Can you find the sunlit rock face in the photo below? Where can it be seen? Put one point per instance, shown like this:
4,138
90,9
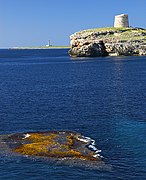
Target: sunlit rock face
109,41
56,144
88,49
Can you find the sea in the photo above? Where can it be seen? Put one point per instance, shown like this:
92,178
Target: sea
103,98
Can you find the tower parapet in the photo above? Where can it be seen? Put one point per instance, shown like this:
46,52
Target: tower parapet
121,20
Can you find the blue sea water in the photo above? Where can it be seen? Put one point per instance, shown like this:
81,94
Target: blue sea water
103,98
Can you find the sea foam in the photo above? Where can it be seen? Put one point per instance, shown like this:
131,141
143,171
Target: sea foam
26,136
91,145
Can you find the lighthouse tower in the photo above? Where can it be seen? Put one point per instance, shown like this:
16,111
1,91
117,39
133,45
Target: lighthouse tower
121,20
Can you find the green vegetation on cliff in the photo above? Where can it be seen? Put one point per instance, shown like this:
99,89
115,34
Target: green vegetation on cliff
124,34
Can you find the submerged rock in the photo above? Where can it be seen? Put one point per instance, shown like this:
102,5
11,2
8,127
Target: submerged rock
56,144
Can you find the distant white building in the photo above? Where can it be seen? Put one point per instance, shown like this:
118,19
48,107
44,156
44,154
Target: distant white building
49,44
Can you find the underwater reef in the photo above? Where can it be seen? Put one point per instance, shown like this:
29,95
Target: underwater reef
54,144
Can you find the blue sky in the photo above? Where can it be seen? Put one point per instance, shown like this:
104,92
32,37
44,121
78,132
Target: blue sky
34,22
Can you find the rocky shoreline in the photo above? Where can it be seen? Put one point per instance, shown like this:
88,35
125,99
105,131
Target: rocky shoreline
108,42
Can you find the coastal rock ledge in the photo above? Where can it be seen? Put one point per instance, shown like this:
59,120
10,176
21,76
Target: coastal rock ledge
108,41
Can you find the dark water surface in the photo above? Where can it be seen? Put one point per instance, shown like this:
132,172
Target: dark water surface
103,98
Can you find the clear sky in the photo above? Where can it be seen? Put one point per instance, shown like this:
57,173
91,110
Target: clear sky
34,22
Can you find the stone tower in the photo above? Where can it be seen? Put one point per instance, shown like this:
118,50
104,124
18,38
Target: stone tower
121,20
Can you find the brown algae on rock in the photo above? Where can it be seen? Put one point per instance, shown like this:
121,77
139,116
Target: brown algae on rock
54,144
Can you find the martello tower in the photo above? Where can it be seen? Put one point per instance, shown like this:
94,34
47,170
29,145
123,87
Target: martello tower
121,20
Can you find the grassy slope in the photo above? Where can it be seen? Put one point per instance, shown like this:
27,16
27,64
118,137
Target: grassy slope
120,33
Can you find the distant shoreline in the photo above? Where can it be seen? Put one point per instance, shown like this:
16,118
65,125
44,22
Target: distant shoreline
41,47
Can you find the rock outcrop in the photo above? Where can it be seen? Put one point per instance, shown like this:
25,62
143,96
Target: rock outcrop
88,49
54,144
108,41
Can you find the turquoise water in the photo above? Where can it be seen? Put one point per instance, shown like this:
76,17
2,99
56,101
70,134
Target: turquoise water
102,98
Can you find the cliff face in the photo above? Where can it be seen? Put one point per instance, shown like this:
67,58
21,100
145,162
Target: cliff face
108,41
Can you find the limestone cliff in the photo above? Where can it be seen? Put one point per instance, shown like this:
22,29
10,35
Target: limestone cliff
108,41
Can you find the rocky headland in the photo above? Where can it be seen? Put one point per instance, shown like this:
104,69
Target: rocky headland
108,42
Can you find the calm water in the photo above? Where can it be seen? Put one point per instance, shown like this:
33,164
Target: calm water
103,98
